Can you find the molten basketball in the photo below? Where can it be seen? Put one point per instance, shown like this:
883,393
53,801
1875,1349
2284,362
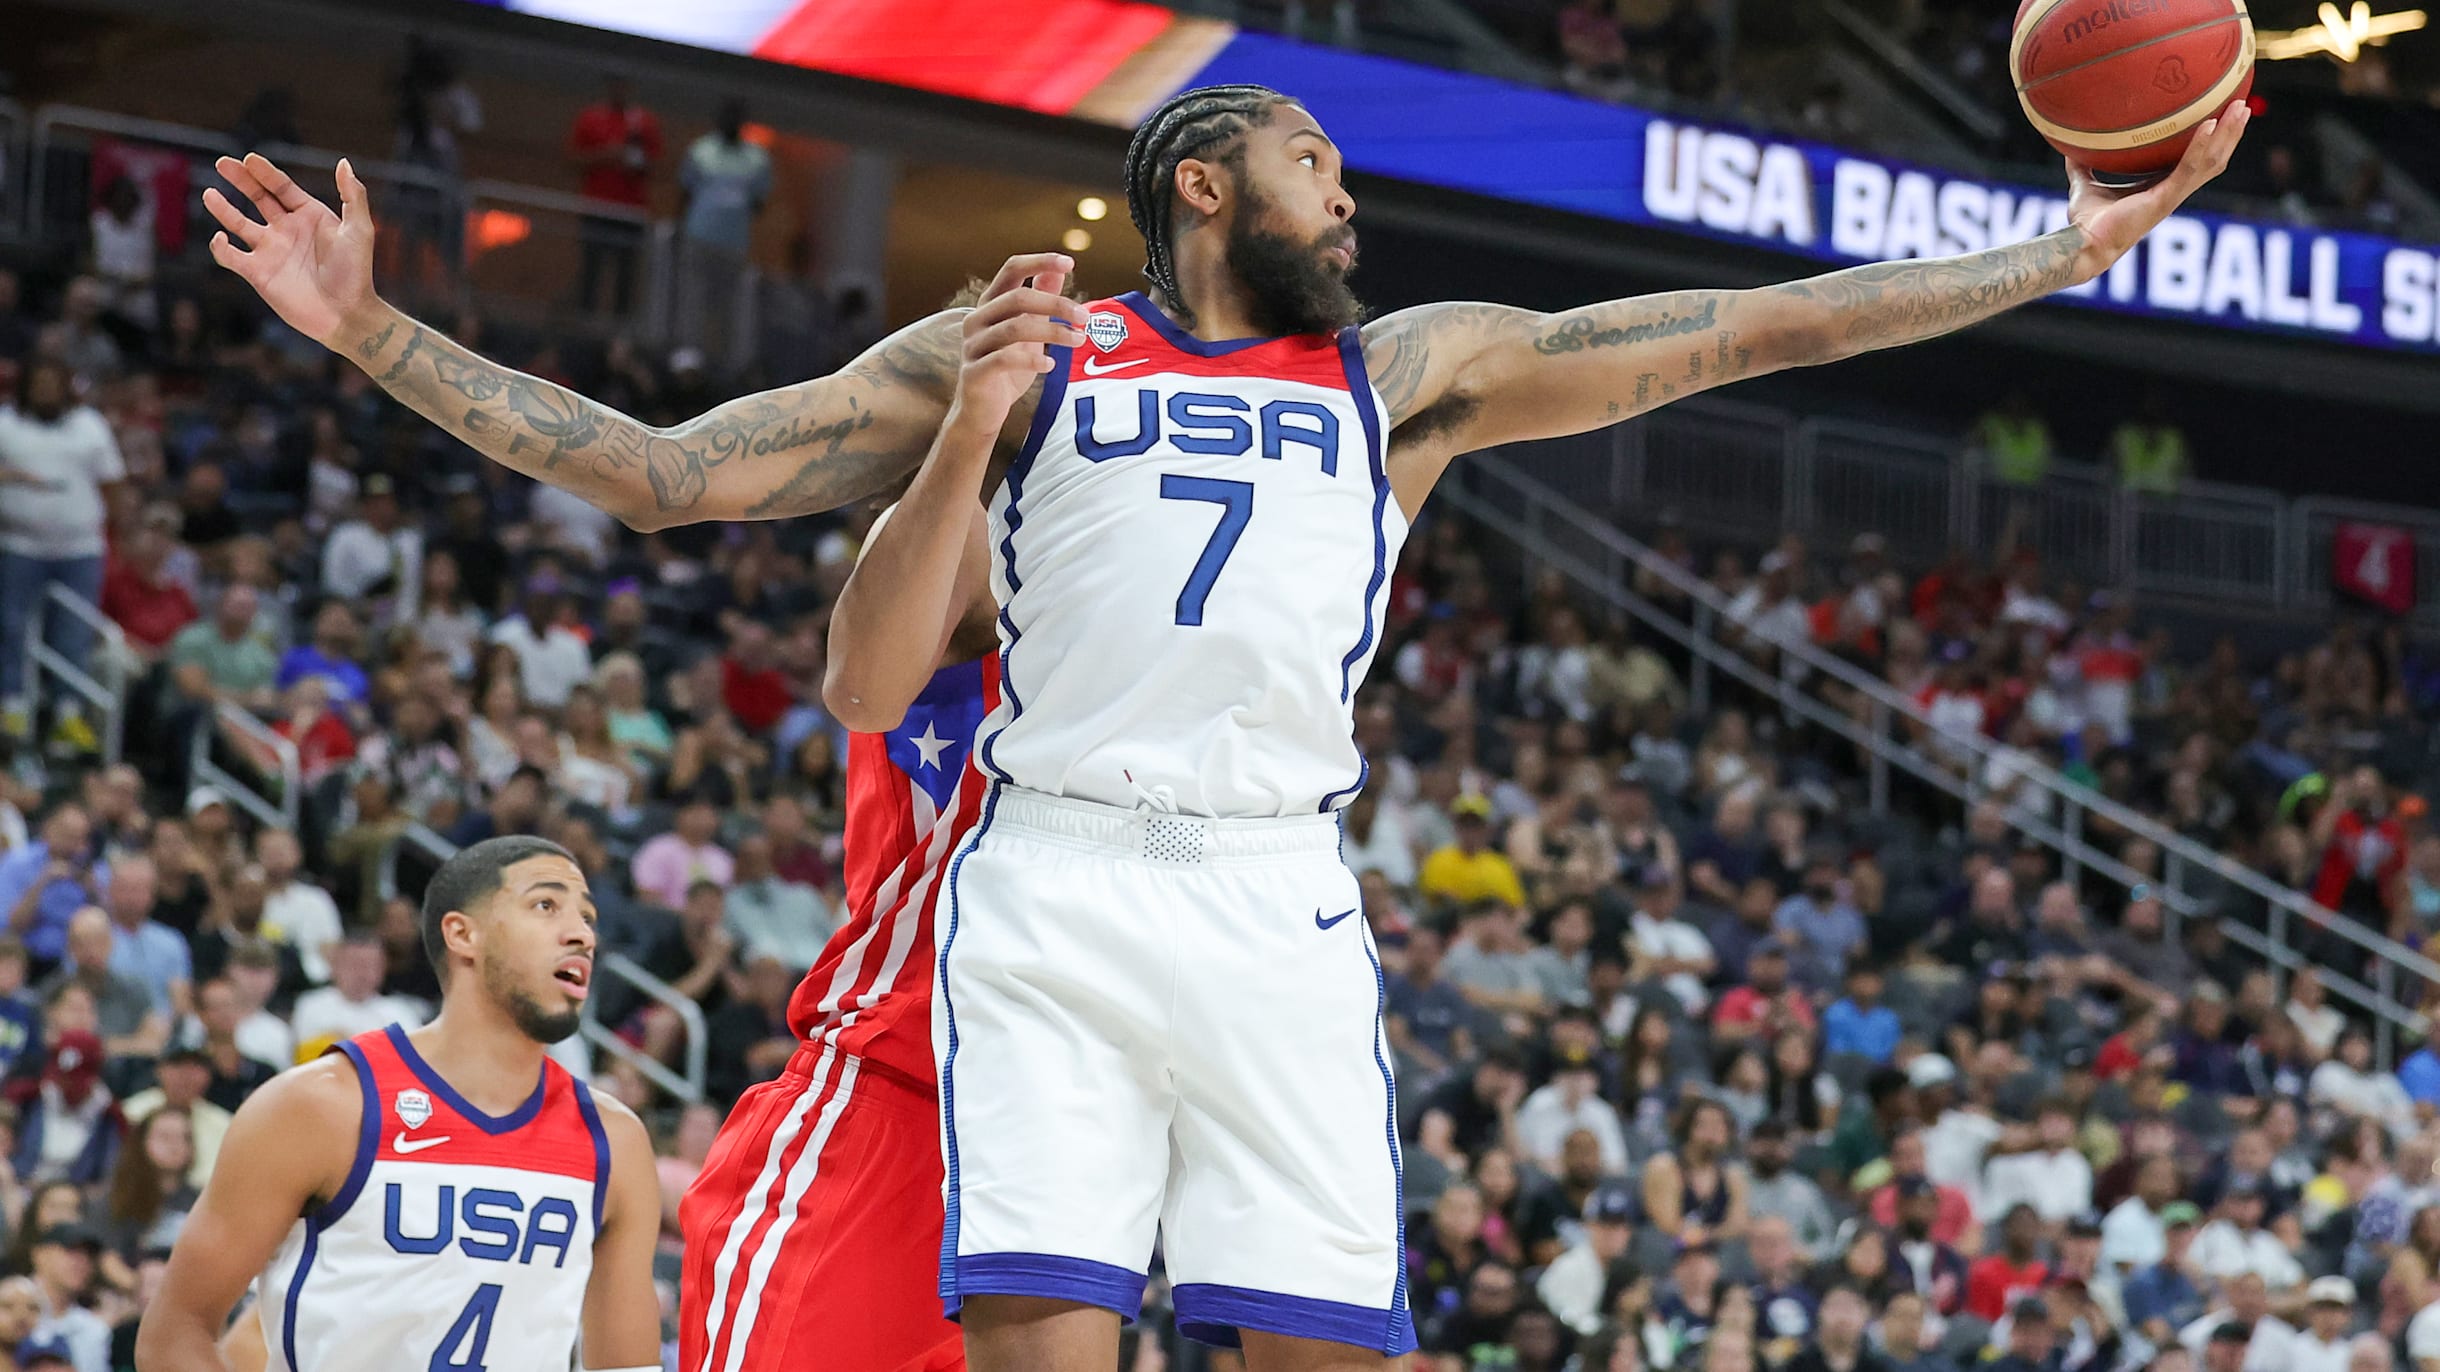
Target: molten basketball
2119,85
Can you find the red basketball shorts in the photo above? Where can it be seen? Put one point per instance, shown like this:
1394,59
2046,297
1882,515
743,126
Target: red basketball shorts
813,1231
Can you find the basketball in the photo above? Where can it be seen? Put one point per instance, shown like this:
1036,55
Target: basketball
2121,85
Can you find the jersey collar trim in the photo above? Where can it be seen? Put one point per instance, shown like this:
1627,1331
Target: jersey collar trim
516,1119
1178,338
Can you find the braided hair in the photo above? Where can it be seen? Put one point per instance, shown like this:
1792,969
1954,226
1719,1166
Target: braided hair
1186,125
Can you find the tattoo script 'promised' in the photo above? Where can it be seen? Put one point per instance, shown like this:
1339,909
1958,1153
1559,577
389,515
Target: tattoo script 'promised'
1581,333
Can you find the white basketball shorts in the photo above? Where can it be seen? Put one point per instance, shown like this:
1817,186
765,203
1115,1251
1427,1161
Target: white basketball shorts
1148,1020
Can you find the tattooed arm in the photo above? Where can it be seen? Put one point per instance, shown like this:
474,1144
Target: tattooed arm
812,446
795,450
1458,377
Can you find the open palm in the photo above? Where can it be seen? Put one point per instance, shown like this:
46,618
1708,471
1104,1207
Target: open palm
310,265
2115,220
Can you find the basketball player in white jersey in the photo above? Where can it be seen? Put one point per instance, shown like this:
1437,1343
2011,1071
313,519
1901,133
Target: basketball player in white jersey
447,1199
1154,1009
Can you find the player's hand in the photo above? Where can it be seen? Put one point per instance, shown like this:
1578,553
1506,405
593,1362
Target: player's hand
2114,221
308,264
1008,336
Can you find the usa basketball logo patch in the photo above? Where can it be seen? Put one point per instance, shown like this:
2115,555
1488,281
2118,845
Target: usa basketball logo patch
414,1107
1106,330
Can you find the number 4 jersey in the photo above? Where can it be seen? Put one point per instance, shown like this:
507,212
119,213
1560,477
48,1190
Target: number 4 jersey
1192,554
460,1241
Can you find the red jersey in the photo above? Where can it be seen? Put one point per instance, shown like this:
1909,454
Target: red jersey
912,794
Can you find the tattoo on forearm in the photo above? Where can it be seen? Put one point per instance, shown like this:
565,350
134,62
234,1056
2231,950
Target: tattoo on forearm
1893,303
1583,330
554,435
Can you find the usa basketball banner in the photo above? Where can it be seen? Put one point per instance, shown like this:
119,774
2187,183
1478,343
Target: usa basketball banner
1112,60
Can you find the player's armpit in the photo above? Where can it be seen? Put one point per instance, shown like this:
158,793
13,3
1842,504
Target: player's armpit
794,450
622,1319
290,1147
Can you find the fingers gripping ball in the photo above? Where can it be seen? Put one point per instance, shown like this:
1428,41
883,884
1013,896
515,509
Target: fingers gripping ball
2121,85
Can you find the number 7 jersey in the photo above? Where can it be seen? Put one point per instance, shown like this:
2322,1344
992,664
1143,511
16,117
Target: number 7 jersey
1192,556
460,1242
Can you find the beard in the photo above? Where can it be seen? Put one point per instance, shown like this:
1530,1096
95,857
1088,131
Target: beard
533,1019
1292,288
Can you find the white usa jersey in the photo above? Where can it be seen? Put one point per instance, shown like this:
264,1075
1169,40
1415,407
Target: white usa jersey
1192,556
461,1241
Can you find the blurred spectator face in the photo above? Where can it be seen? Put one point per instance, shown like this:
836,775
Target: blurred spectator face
1906,1156
1708,1130
1770,1153
131,891
1535,1337
2355,1049
356,968
768,983
1729,1350
1492,1291
2208,1015
2143,918
89,938
753,858
67,834
2057,1129
12,970
1784,827
63,1267
2224,1355
182,1082
697,823
1792,1054
1756,903
2029,1337
2368,1353
2057,909
2022,1230
519,803
20,1309
47,390
1630,805
1902,1324
280,856
1994,898
84,301
234,617
1571,930
334,630
1917,1213
2242,1207
2156,1181
1773,1246
1734,818
222,1006
169,1142
2248,1298
1457,1217
1842,1319
783,820
248,889
1580,1158
1864,986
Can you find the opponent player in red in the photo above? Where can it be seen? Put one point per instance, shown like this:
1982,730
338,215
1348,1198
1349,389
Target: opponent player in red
813,1231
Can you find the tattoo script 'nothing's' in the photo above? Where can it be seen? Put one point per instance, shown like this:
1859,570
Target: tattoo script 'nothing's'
1580,333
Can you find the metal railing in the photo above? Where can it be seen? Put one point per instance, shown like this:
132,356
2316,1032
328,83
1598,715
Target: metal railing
1557,531
108,654
411,837
1750,472
689,1087
256,738
1970,113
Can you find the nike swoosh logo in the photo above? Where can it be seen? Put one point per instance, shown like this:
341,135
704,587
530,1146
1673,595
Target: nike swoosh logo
1332,922
1094,366
403,1144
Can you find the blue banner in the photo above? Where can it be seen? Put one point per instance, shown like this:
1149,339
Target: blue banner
1476,134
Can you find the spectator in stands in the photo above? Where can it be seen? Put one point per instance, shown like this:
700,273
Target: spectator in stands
2149,452
125,1013
180,1077
1594,52
1860,1025
514,809
295,910
693,954
748,1036
668,866
44,883
65,1257
2051,1175
331,656
1574,1284
20,1021
615,144
223,659
148,1193
2235,1242
2242,1318
724,180
1776,1190
142,949
56,458
69,1128
138,594
771,917
552,658
1697,1193
1822,923
375,560
353,1003
2164,1297
244,1041
2013,441
1469,870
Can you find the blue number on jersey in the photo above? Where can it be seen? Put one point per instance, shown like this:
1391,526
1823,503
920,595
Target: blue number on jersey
473,1328
1236,499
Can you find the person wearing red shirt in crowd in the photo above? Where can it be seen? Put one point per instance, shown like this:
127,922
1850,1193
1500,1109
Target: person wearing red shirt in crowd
2363,848
2016,1270
2112,661
614,144
1952,1216
2127,1050
322,738
751,683
795,855
148,606
1763,1004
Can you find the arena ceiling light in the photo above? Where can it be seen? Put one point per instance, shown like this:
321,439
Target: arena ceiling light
2343,36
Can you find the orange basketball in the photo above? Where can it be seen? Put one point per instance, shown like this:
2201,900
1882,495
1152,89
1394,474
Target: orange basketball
2119,85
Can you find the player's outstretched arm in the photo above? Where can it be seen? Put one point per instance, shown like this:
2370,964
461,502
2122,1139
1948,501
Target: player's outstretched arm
794,450
289,1148
927,564
622,1319
1457,377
